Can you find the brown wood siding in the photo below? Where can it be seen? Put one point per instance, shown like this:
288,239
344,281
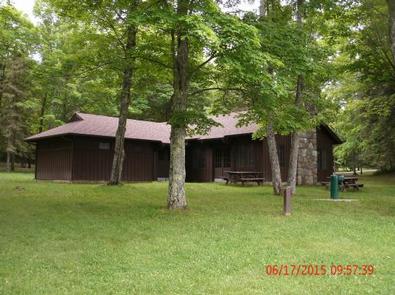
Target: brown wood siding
54,159
90,163
163,153
138,164
93,162
325,154
83,158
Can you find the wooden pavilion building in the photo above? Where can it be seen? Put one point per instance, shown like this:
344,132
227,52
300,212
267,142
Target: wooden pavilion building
82,150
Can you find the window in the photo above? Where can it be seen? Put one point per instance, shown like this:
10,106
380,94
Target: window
226,158
245,156
221,158
104,146
218,159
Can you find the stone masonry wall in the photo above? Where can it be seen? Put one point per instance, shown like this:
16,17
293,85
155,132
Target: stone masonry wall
307,158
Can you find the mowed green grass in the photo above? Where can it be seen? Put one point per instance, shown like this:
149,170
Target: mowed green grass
59,238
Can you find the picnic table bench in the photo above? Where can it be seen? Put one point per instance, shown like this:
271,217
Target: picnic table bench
347,182
244,176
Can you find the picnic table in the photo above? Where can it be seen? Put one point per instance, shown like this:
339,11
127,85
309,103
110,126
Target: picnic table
244,176
351,182
347,182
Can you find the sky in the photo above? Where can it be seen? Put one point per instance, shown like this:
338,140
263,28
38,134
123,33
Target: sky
26,6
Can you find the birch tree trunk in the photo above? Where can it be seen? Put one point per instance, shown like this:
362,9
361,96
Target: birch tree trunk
117,164
294,152
176,194
270,136
391,10
274,162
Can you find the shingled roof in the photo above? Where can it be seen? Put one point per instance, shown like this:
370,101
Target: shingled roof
96,125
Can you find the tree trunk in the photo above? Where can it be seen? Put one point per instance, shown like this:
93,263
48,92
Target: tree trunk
263,9
274,162
177,197
391,10
270,137
10,150
2,78
294,152
42,113
117,164
8,162
180,51
12,162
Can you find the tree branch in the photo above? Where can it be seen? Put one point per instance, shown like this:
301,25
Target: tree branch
212,56
152,60
225,89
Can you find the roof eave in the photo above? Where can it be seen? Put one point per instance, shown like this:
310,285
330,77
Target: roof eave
332,133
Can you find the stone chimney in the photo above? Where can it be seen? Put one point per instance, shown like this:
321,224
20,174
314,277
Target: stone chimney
307,158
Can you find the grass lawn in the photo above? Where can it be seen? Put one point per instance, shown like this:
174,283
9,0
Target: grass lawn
58,238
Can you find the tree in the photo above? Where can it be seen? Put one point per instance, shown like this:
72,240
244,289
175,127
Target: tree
13,112
270,132
391,10
16,43
364,85
210,51
116,172
180,46
117,25
294,152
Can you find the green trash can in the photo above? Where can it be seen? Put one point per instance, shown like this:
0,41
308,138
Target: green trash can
334,186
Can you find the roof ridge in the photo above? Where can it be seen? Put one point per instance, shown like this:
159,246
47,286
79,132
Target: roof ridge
114,117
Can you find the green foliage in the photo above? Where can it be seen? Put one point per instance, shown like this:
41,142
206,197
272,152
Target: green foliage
17,42
365,87
293,50
75,58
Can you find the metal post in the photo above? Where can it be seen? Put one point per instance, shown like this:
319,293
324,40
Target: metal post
287,201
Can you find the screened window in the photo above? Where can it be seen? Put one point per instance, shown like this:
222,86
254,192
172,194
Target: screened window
218,159
245,156
226,158
222,158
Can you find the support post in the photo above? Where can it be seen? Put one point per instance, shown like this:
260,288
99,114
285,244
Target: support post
287,201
